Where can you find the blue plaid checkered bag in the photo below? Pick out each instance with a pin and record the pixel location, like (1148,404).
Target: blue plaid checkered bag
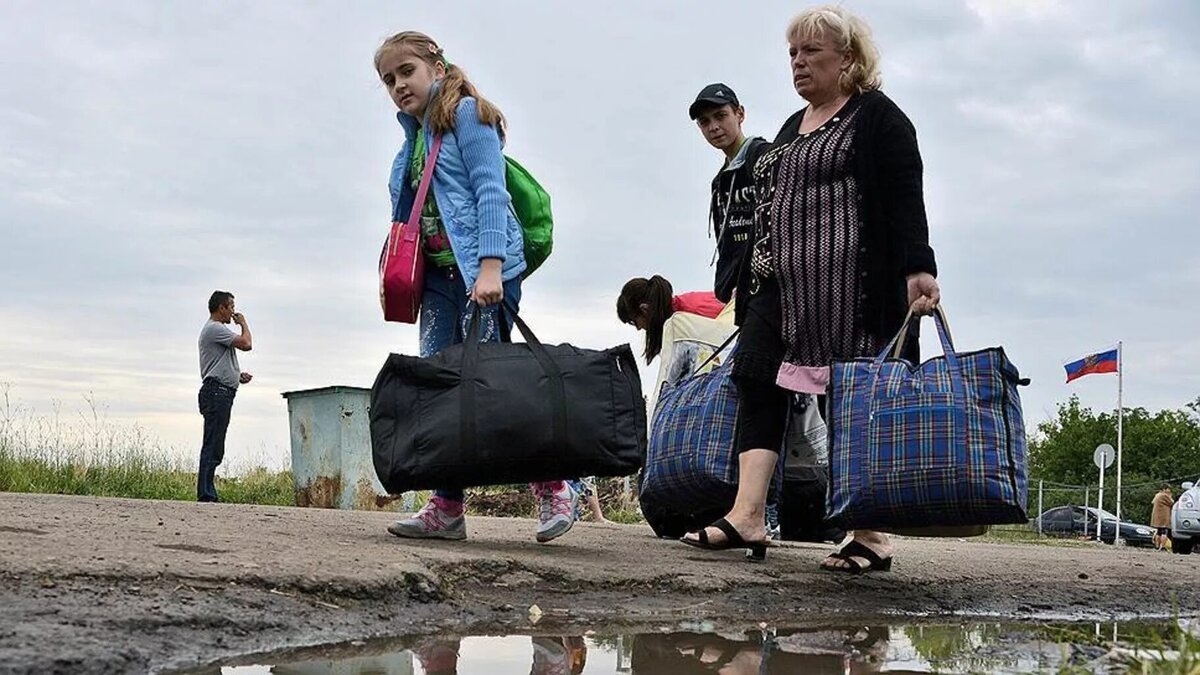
(690,475)
(939,444)
(690,465)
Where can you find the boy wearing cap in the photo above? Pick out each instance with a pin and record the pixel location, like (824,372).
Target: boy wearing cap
(719,116)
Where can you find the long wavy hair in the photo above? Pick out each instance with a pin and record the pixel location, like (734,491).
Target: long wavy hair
(656,295)
(454,87)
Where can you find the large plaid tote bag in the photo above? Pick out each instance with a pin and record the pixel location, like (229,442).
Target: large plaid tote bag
(691,469)
(691,472)
(939,444)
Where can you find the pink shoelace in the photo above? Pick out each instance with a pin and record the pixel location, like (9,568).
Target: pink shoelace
(435,513)
(428,517)
(552,505)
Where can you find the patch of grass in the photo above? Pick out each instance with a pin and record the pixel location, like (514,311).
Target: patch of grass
(86,454)
(1146,650)
(135,475)
(1019,535)
(629,515)
(258,486)
(516,501)
(91,456)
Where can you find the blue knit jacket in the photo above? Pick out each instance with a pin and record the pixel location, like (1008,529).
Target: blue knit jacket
(469,186)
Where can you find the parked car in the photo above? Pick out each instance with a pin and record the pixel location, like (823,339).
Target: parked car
(1080,522)
(1185,520)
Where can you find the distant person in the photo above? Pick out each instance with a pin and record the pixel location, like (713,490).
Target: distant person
(471,239)
(719,115)
(220,376)
(646,304)
(685,330)
(1160,517)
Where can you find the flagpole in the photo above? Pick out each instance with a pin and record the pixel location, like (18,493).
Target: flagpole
(1120,436)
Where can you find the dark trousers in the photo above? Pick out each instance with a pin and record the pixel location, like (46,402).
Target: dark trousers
(446,316)
(216,404)
(764,414)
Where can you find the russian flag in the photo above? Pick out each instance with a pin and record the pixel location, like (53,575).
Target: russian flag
(1101,362)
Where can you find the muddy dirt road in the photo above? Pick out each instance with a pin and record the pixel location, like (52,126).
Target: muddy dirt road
(111,585)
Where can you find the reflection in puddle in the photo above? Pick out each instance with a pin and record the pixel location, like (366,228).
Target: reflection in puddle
(696,648)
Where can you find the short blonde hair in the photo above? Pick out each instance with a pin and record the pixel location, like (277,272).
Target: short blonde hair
(850,34)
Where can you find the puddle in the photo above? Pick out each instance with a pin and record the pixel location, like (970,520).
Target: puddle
(699,647)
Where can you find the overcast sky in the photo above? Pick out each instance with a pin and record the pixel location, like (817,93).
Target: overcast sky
(153,152)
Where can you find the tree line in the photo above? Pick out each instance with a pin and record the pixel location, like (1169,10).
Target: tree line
(1158,447)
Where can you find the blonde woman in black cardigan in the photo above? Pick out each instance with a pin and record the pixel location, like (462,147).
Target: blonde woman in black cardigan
(841,253)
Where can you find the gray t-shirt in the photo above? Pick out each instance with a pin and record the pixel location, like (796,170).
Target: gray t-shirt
(218,358)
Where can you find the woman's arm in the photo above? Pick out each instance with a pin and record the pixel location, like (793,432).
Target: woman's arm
(903,199)
(901,191)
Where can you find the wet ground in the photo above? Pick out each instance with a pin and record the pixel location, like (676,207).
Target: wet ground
(701,647)
(109,585)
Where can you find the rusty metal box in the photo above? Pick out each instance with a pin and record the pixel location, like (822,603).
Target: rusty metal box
(331,449)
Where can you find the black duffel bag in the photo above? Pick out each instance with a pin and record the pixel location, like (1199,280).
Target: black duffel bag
(503,412)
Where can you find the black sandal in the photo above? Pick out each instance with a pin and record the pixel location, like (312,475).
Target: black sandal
(756,551)
(875,563)
(729,652)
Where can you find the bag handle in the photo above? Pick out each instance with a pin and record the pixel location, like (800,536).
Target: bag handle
(716,352)
(957,384)
(902,336)
(426,178)
(471,341)
(896,344)
(470,366)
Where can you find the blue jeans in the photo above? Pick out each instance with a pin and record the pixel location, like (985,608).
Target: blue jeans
(446,316)
(216,404)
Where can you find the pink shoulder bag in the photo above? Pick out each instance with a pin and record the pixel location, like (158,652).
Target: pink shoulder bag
(402,264)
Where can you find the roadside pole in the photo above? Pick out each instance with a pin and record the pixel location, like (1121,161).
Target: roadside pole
(1040,482)
(1117,540)
(1103,458)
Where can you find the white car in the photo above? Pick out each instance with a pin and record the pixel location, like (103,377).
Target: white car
(1185,520)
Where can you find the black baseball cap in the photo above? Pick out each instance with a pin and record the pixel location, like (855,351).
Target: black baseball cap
(717,94)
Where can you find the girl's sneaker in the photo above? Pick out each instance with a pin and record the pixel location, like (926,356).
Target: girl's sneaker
(556,511)
(433,521)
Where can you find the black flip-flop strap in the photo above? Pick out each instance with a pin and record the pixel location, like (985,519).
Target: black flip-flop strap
(857,550)
(732,536)
(716,353)
(855,566)
(728,654)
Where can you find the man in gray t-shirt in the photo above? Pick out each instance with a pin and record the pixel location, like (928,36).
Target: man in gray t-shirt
(220,377)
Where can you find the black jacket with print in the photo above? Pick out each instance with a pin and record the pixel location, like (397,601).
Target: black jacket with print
(731,211)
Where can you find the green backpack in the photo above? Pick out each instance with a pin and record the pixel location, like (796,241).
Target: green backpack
(531,205)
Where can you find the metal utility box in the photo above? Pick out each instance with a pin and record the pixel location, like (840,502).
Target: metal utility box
(331,449)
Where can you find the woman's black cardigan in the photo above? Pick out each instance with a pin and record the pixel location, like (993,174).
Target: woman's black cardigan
(888,168)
